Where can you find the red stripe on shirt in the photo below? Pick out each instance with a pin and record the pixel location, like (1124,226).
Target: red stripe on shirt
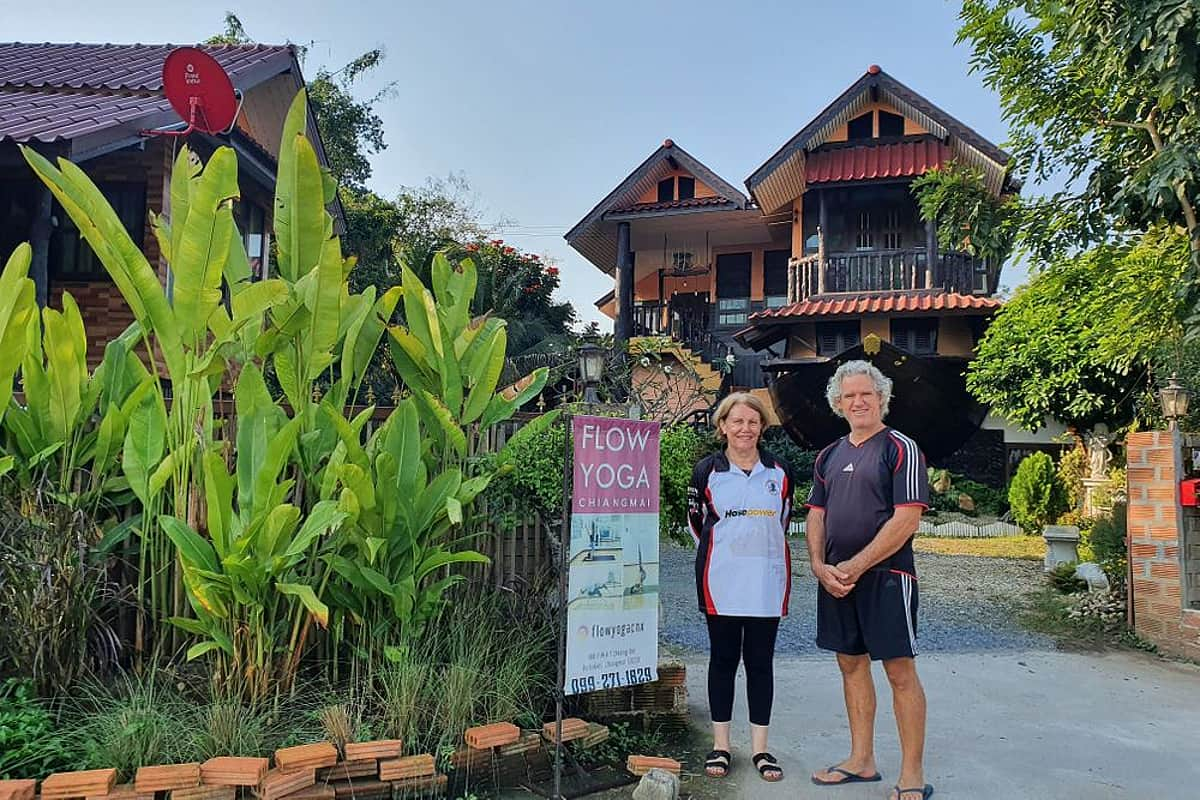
(900,450)
(708,599)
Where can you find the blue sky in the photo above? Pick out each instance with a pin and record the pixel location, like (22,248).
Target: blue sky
(545,106)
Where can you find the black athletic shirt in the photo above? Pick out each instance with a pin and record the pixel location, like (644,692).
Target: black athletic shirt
(859,488)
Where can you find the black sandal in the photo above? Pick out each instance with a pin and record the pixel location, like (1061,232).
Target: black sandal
(768,768)
(718,760)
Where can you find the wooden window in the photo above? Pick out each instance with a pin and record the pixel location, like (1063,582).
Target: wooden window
(71,258)
(890,124)
(775,273)
(687,188)
(893,236)
(917,336)
(251,222)
(861,128)
(733,288)
(666,190)
(865,238)
(836,337)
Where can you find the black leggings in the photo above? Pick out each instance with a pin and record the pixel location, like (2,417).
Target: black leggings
(750,640)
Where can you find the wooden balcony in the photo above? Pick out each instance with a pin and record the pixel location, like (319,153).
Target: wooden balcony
(884,271)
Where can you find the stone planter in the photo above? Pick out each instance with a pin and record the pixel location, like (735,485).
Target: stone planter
(1062,545)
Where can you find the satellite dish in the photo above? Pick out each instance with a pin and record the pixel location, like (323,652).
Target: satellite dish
(200,91)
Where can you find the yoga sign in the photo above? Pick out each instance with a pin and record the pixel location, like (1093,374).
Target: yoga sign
(612,576)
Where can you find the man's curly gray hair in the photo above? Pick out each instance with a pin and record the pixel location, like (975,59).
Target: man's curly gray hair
(883,384)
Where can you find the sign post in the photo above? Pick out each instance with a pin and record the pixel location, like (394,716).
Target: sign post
(608,577)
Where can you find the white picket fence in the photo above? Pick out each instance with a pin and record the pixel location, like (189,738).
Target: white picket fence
(956,529)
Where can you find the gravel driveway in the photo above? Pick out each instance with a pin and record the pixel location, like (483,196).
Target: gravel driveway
(965,604)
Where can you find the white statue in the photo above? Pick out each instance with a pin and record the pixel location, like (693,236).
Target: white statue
(1098,456)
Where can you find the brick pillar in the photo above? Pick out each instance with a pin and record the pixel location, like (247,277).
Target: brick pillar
(1156,539)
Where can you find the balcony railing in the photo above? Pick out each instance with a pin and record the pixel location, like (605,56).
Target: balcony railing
(884,271)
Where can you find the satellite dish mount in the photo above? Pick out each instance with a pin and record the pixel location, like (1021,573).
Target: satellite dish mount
(200,91)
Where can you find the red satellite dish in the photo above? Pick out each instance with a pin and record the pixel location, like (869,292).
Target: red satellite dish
(200,91)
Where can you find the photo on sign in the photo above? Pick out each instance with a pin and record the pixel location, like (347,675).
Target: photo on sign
(597,538)
(640,553)
(596,586)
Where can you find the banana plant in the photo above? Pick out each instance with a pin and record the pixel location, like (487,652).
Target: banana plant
(67,437)
(186,331)
(248,580)
(450,363)
(18,309)
(404,526)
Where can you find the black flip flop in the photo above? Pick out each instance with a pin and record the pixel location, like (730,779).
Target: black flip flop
(718,759)
(850,777)
(764,763)
(926,791)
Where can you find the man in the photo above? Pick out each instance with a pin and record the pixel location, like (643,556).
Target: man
(869,489)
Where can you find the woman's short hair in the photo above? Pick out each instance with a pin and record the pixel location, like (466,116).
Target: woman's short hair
(725,408)
(883,384)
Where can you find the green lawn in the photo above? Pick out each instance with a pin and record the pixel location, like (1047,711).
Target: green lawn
(1031,548)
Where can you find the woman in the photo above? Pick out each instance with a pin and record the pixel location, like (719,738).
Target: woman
(739,507)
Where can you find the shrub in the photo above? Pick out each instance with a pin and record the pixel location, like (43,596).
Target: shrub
(536,487)
(1072,468)
(1063,579)
(1036,495)
(682,446)
(30,746)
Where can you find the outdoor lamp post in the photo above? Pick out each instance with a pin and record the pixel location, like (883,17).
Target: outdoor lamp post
(1174,398)
(591,368)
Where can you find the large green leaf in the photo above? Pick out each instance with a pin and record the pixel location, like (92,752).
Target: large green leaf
(323,518)
(16,310)
(201,251)
(299,197)
(440,558)
(193,548)
(324,303)
(145,438)
(183,171)
(420,312)
(412,360)
(64,380)
(103,230)
(485,376)
(308,597)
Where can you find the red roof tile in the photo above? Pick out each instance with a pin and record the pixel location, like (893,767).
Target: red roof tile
(880,303)
(694,202)
(899,159)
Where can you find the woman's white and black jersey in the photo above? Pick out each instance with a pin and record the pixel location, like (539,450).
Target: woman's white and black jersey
(739,522)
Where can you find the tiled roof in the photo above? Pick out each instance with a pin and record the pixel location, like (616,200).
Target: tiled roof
(879,303)
(52,116)
(899,159)
(694,202)
(112,67)
(55,92)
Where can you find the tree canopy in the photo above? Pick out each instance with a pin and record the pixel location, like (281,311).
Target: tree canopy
(1107,92)
(1081,341)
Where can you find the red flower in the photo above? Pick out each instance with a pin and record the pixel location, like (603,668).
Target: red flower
(508,251)
(497,242)
(472,248)
(552,271)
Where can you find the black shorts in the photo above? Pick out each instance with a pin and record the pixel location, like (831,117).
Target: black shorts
(878,617)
